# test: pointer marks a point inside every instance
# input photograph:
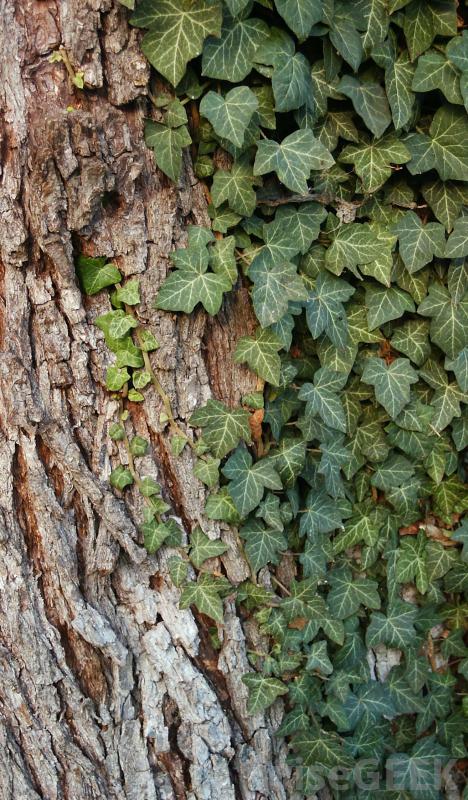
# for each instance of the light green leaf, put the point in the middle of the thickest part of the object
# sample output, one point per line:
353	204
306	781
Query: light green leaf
129	293
392	382
178	29
116	378
121	323
263	691
260	352
202	547
120	477
353	244
230	115
207	470
95	274
221	506
293	159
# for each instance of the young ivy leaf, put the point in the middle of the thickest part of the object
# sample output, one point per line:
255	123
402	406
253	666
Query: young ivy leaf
260	352
178	29
120	477
263	691
202	547
293	159
392	382
230	115
95	274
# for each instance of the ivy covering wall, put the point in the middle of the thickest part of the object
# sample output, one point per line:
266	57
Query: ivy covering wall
333	141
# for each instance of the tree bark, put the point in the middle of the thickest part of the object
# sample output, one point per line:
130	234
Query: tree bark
107	689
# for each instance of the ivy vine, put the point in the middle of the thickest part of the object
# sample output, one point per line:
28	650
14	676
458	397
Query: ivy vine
332	140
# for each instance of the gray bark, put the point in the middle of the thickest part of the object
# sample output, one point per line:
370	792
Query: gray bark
107	689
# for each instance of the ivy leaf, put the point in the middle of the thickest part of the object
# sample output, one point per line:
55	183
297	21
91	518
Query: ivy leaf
95	274
207	470
461	535
372	161
317	659
322	749
221	506
300	15
322	398
434	71
274	287
419	243
230	57
449	320
384	305
236	188
230	115
443	149
261	354
191	283
293	159
167	144
129	293
391	382
369	101
417	767
263	691
321	515
396	629
457	243
248	481
120	477
352	244
205	596
178	29
348	594
262	545
291	82
459	366
325	310
411	562
202	547
116	378
289	458
445	200
377	21
223	427
347	40
155	534
398	81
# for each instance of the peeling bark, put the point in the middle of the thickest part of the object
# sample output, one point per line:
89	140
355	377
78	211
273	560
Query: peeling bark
107	689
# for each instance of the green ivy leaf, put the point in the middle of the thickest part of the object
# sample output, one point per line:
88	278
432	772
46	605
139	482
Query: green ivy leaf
167	144
202	547
235	188
116	378
230	115
293	159
120	477
369	101
449	320
260	352
178	29
95	274
300	15
263	691
348	593
419	243
392	382
443	148
291	82
230	57
372	161
275	286
223	427
248	481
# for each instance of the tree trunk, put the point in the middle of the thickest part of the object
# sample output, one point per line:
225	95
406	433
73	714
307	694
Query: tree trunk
107	689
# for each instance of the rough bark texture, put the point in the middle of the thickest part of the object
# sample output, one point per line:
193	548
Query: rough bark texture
107	689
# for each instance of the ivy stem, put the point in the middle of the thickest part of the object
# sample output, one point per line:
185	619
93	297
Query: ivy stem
281	585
